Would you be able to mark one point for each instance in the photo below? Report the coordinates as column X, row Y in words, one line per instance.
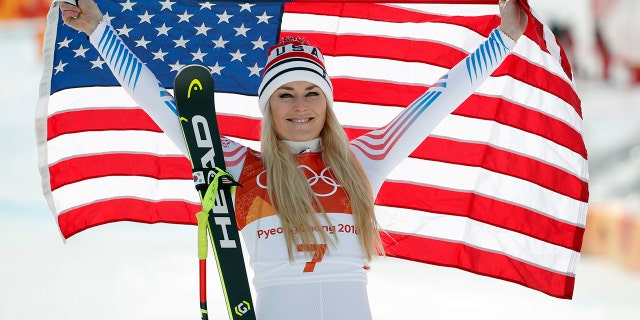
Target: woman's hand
column 85, row 17
column 513, row 18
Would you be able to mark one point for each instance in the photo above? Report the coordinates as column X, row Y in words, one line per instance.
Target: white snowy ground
column 137, row 271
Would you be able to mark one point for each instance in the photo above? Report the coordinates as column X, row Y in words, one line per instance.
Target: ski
column 194, row 95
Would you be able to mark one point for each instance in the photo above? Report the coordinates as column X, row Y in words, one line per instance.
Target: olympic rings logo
column 315, row 178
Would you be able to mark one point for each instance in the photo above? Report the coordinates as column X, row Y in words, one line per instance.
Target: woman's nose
column 300, row 104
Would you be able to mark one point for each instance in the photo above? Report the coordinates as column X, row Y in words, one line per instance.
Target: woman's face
column 298, row 110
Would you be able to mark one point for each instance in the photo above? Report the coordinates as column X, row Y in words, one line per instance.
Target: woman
column 306, row 205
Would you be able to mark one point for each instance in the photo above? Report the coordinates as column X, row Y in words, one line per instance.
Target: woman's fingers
column 84, row 17
column 513, row 18
column 69, row 13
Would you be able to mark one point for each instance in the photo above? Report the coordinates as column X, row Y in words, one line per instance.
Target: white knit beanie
column 293, row 59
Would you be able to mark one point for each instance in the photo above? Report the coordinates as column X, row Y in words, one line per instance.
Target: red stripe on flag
column 99, row 120
column 480, row 208
column 505, row 162
column 405, row 50
column 525, row 119
column 136, row 119
column 350, row 90
column 119, row 164
column 461, row 256
column 134, row 210
column 380, row 12
column 239, row 126
column 539, row 77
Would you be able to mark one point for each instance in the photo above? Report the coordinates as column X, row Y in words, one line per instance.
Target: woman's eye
column 285, row 95
column 312, row 94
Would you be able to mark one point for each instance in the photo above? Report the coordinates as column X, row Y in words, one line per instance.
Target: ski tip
column 194, row 67
column 193, row 71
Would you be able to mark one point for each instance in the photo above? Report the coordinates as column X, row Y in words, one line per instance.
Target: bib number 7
column 318, row 253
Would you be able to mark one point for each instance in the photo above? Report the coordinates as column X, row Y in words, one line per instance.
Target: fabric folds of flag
column 499, row 189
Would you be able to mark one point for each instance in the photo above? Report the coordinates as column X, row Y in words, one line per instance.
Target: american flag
column 499, row 189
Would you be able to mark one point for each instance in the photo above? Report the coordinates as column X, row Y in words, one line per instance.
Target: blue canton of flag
column 229, row 38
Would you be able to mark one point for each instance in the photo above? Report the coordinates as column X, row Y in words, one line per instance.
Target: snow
column 137, row 271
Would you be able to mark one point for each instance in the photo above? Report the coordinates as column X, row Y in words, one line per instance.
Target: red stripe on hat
column 295, row 54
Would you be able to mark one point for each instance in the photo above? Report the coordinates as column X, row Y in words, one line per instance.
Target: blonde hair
column 299, row 209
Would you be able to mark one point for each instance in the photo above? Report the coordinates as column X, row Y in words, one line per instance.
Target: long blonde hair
column 299, row 209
